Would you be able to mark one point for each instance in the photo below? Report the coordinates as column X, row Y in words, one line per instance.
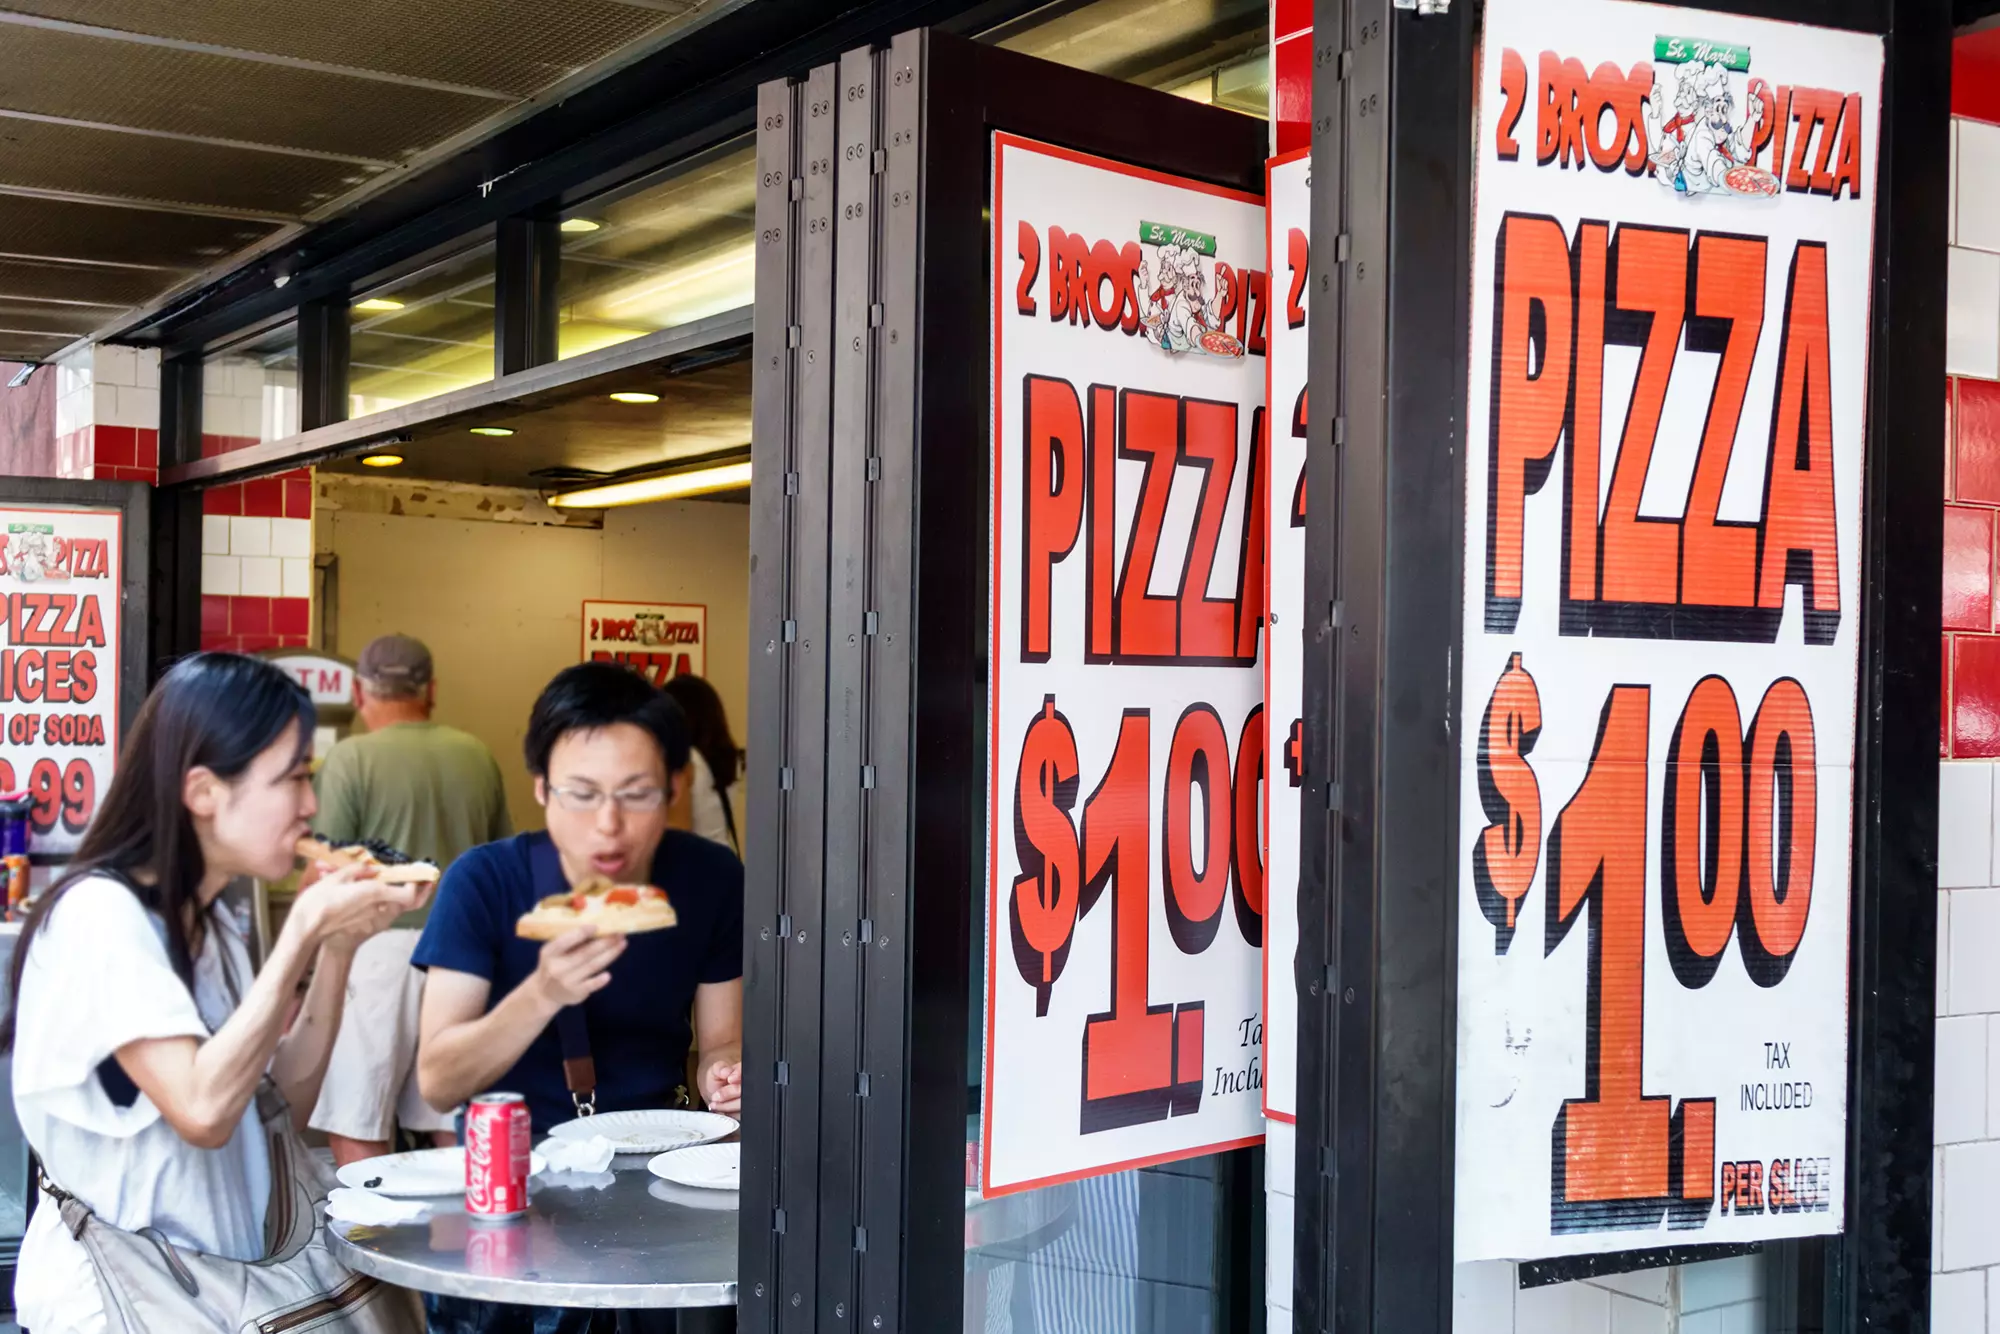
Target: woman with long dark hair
column 139, row 1035
column 704, row 805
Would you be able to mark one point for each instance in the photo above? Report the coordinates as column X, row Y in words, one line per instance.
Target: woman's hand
column 346, row 905
column 722, row 1086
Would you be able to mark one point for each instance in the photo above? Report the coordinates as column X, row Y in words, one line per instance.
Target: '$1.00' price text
column 1142, row 1061
column 1736, row 860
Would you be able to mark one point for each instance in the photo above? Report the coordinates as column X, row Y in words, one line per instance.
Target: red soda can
column 496, row 1156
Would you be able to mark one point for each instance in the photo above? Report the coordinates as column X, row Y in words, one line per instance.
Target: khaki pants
column 371, row 1078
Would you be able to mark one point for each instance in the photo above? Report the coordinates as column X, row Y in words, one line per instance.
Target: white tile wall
column 1971, row 1236
column 291, row 537
column 1978, row 185
column 221, row 576
column 263, row 576
column 1972, row 314
column 215, row 535
column 1961, row 1079
column 249, row 536
column 1958, row 1303
column 1965, row 803
column 295, row 578
column 1974, row 950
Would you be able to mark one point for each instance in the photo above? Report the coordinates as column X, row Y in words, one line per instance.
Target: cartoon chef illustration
column 32, row 555
column 1694, row 151
column 1175, row 314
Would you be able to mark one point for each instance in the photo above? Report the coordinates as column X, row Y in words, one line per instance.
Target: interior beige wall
column 500, row 603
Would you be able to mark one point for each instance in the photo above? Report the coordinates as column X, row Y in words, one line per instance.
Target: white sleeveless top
column 97, row 977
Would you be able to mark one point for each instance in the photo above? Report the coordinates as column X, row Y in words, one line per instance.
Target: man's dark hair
column 593, row 695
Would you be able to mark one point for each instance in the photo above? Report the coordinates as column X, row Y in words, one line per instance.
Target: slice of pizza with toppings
column 391, row 865
column 614, row 910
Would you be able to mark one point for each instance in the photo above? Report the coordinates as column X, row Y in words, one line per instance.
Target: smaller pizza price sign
column 1143, row 1058
column 64, row 794
column 1735, row 838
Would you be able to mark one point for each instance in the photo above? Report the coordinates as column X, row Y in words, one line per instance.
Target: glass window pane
column 664, row 254
column 421, row 334
column 250, row 392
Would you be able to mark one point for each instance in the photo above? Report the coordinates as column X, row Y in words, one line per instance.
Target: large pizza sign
column 60, row 614
column 1125, row 875
column 1662, row 607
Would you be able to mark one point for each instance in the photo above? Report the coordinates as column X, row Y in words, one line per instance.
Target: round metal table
column 639, row 1242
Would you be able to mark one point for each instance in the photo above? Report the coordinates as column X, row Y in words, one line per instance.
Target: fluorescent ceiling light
column 493, row 430
column 574, row 225
column 381, row 460
column 379, row 303
column 700, row 482
column 634, row 396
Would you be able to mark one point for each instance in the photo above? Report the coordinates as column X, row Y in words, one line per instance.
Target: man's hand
column 722, row 1087
column 575, row 964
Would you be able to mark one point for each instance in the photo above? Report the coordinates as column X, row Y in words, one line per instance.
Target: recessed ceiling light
column 634, row 396
column 493, row 430
column 700, row 482
column 379, row 303
column 574, row 225
column 381, row 460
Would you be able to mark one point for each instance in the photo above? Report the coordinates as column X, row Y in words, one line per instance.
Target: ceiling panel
column 80, row 77
column 30, row 347
column 85, row 283
column 45, row 156
column 513, row 46
column 118, row 235
column 702, row 411
column 50, row 317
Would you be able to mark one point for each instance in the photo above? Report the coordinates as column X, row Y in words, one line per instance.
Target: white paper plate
column 687, row 1197
column 706, row 1167
column 425, row 1172
column 649, row 1132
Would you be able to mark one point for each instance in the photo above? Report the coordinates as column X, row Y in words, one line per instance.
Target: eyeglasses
column 585, row 800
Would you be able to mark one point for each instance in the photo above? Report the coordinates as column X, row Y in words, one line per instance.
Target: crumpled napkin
column 577, row 1180
column 577, row 1155
column 350, row 1205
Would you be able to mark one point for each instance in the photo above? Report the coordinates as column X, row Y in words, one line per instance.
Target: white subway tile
column 1742, row 1318
column 221, row 576
column 1965, row 823
column 1937, row 1210
column 1992, row 1078
column 215, row 535
column 1951, row 195
column 1278, row 1249
column 114, row 365
column 1975, row 946
column 262, row 576
column 1648, row 1285
column 1482, row 1297
column 1958, row 1303
column 1562, row 1308
column 1712, row 1283
column 1631, row 1316
column 1280, row 1320
column 146, row 365
column 1978, row 185
column 1972, row 314
column 104, row 404
column 297, row 578
column 1960, row 1080
column 1281, row 1150
column 249, row 536
column 1972, row 1184
column 138, row 407
column 1943, row 950
column 292, row 537
column 1993, row 1300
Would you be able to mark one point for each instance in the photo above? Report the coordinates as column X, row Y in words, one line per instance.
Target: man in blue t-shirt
column 604, row 746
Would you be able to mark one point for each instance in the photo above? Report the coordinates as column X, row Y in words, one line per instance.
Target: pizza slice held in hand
column 391, row 866
column 614, row 910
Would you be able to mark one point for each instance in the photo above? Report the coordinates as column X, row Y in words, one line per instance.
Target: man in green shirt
column 432, row 792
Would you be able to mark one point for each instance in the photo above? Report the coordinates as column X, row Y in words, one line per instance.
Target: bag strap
column 572, row 1032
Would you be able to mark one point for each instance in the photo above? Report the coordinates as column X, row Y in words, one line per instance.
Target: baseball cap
column 396, row 662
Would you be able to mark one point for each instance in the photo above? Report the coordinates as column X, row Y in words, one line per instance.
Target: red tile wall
column 253, row 624
column 289, row 495
column 1969, row 708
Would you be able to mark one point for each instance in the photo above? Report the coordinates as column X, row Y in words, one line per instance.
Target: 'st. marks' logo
column 1696, row 121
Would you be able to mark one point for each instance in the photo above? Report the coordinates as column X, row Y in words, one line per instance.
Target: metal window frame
column 1377, row 1123
column 889, row 196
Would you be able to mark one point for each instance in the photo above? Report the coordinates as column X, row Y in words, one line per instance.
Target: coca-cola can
column 497, row 1136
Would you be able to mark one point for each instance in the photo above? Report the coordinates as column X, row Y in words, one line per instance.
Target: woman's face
column 251, row 825
column 606, row 799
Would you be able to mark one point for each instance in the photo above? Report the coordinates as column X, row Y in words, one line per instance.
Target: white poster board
column 1288, row 192
column 661, row 640
column 61, row 608
column 1125, row 882
column 1669, row 353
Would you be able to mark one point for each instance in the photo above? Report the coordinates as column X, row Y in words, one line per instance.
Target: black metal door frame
column 1392, row 145
column 869, row 506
